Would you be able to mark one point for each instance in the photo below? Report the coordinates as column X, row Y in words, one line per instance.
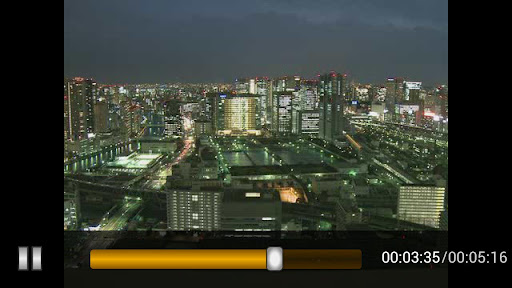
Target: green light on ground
column 324, row 226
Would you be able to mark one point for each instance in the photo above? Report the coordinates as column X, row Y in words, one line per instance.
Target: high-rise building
column 155, row 124
column 309, row 123
column 71, row 114
column 173, row 127
column 237, row 114
column 287, row 84
column 421, row 204
column 71, row 207
column 132, row 118
column 80, row 96
column 70, row 217
column 282, row 114
column 259, row 87
column 394, row 95
column 441, row 100
column 241, row 113
column 308, row 99
column 101, row 116
column 243, row 86
column 331, row 93
column 194, row 210
column 208, row 106
column 270, row 105
column 203, row 127
column 362, row 93
column 262, row 88
column 218, row 111
column 252, row 86
column 412, row 92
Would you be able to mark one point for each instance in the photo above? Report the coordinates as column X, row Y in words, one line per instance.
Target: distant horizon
column 201, row 41
column 249, row 77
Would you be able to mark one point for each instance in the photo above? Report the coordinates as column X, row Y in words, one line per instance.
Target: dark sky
column 134, row 41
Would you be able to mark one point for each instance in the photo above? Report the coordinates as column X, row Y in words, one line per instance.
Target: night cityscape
column 185, row 119
column 258, row 154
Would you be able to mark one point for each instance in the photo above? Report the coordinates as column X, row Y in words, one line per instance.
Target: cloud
column 133, row 41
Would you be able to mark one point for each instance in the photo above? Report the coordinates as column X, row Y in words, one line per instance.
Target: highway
column 159, row 177
column 119, row 220
column 404, row 178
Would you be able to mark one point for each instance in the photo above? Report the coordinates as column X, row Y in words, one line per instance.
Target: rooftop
column 135, row 161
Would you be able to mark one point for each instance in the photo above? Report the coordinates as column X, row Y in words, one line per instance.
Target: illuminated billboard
column 409, row 109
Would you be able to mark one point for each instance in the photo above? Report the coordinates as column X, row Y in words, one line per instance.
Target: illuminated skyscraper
column 309, row 123
column 287, row 84
column 71, row 114
column 71, row 207
column 331, row 92
column 308, row 99
column 132, row 117
column 394, row 94
column 282, row 113
column 243, row 86
column 241, row 113
column 441, row 100
column 262, row 88
column 421, row 204
column 194, row 210
column 412, row 92
column 237, row 114
column 80, row 96
column 173, row 127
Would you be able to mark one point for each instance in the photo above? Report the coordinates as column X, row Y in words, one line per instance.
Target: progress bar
column 272, row 259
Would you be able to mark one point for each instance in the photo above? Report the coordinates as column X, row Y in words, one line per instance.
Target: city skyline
column 263, row 154
column 382, row 81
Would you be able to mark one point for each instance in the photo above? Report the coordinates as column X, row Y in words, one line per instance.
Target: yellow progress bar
column 225, row 259
column 179, row 259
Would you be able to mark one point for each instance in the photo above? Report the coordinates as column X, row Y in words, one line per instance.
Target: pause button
column 23, row 258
